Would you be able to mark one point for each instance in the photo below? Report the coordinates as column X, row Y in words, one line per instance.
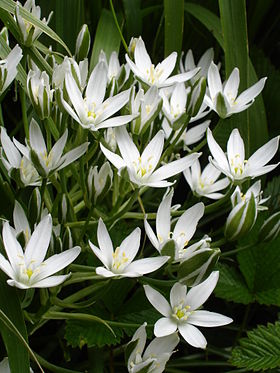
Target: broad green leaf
column 231, row 286
column 107, row 38
column 260, row 350
column 173, row 26
column 10, row 305
column 10, row 6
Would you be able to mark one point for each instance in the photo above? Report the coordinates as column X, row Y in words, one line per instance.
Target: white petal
column 180, row 77
column 105, row 242
column 50, row 281
column 178, row 294
column 192, row 335
column 158, row 301
column 96, row 86
column 6, row 267
column 173, row 168
column 140, row 336
column 20, row 220
column 130, row 245
column 115, row 159
column 196, row 133
column 72, row 155
column 146, row 265
column 164, row 327
column 75, row 97
column 161, row 345
column 141, row 57
column 57, row 262
column 166, row 66
column 214, row 80
column 216, row 151
column 232, row 84
column 10, row 150
column 12, row 247
column 187, row 223
column 235, row 147
column 263, row 154
column 154, row 149
column 99, row 254
column 37, row 141
column 197, row 295
column 58, row 147
column 163, row 217
column 112, row 105
column 114, row 122
column 151, row 235
column 127, row 148
column 101, row 271
column 208, row 319
column 250, row 93
column 39, row 242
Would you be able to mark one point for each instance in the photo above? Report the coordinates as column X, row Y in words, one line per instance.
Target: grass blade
column 174, row 26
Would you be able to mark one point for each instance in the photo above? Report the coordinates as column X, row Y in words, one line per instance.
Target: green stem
column 43, row 188
column 219, row 243
column 22, row 95
column 118, row 27
column 1, row 116
column 235, row 251
column 243, row 325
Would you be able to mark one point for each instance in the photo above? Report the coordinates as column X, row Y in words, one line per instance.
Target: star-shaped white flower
column 48, row 162
column 159, row 75
column 142, row 168
column 92, row 111
column 119, row 262
column 223, row 98
column 205, row 183
column 27, row 269
column 156, row 355
column 8, row 68
column 182, row 312
column 234, row 165
column 183, row 231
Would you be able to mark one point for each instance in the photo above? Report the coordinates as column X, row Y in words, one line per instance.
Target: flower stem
column 118, row 27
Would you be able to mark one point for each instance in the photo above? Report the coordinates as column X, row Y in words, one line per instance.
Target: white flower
column 148, row 105
column 39, row 92
column 45, row 162
column 159, row 75
column 14, row 161
column 223, row 99
column 174, row 107
column 8, row 68
column 99, row 182
column 190, row 136
column 20, row 222
column 205, row 183
column 238, row 197
column 234, row 165
column 120, row 262
column 156, row 354
column 28, row 31
column 141, row 169
column 92, row 111
column 69, row 65
column 203, row 63
column 27, row 269
column 183, row 231
column 182, row 313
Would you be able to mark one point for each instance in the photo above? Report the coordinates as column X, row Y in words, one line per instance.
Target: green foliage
column 258, row 277
column 260, row 350
column 272, row 190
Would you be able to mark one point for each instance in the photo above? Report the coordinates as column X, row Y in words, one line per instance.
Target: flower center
column 181, row 311
column 142, row 168
column 153, row 74
column 119, row 260
column 237, row 166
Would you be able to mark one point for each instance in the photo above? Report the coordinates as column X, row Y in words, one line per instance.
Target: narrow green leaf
column 10, row 6
column 173, row 26
column 133, row 18
column 107, row 38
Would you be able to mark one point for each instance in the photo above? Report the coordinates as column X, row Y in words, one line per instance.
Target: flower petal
column 37, row 141
column 214, row 80
column 96, row 86
column 158, row 301
column 105, row 242
column 178, row 294
column 141, row 57
column 130, row 245
column 11, row 152
column 50, row 281
column 232, row 84
column 115, row 159
column 263, row 155
column 6, row 267
column 250, row 93
column 197, row 295
column 192, row 335
column 208, row 319
column 164, row 327
column 12, row 247
column 216, row 151
column 187, row 223
column 127, row 148
column 161, row 345
column 235, row 147
column 163, row 217
column 151, row 235
column 146, row 265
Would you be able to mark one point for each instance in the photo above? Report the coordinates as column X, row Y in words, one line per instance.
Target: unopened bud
column 39, row 92
column 100, row 182
column 82, row 44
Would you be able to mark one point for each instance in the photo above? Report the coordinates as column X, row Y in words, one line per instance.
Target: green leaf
column 78, row 334
column 260, row 350
column 10, row 305
column 107, row 38
column 133, row 19
column 272, row 190
column 207, row 18
column 10, row 6
column 231, row 286
column 173, row 26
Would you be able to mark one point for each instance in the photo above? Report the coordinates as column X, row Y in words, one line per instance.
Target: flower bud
column 5, row 35
column 34, row 206
column 100, row 182
column 39, row 92
column 82, row 43
column 29, row 33
column 199, row 266
column 270, row 229
column 196, row 97
column 241, row 219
